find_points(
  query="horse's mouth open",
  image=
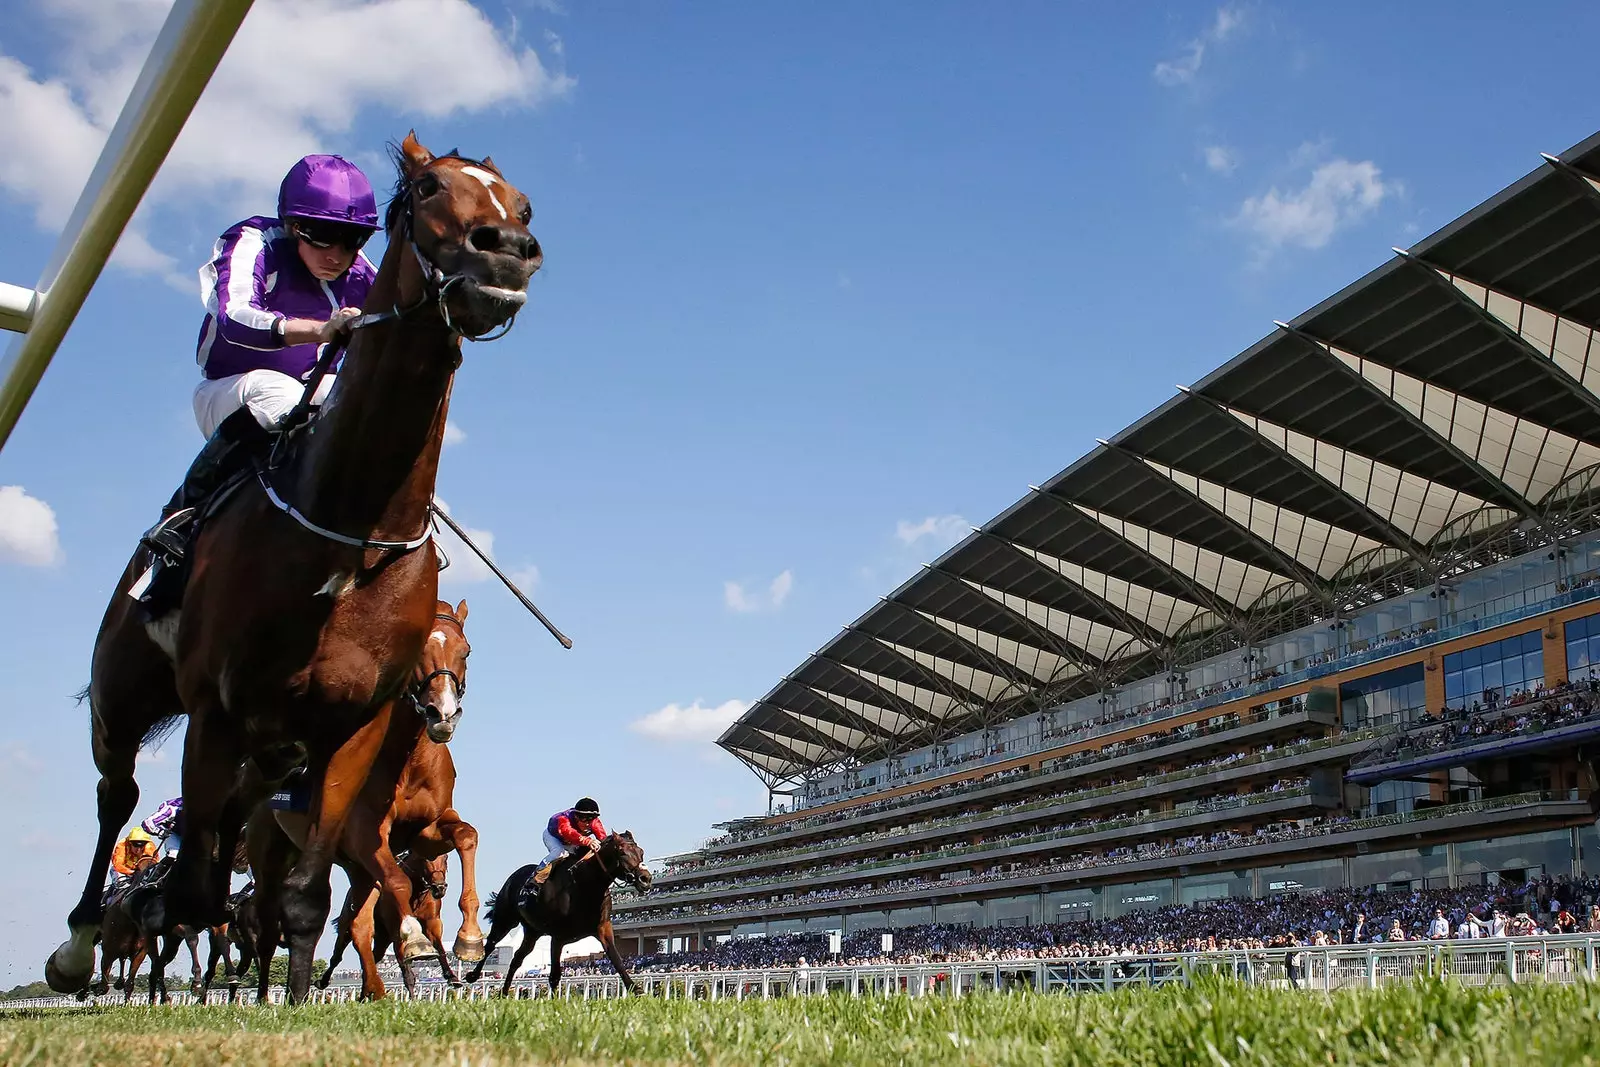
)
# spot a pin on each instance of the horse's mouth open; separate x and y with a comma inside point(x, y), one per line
point(488, 307)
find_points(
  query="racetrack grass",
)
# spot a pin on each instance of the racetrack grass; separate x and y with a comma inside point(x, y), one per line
point(1216, 1024)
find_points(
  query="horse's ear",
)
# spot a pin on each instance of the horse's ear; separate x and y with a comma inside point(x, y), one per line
point(461, 612)
point(488, 164)
point(413, 157)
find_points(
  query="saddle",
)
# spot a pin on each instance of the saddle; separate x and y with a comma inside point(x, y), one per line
point(142, 885)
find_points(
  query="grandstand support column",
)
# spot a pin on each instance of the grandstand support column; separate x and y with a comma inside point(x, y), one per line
point(1433, 682)
point(1554, 638)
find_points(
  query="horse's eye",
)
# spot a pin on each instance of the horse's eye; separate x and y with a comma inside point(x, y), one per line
point(526, 214)
point(427, 186)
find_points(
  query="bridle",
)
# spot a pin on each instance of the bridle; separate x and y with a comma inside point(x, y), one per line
point(436, 286)
point(420, 874)
point(420, 686)
point(627, 875)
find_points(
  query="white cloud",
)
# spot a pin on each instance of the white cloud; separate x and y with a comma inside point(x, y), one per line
point(940, 530)
point(695, 722)
point(1182, 70)
point(745, 601)
point(465, 566)
point(294, 80)
point(1338, 193)
point(1220, 159)
point(28, 531)
point(453, 433)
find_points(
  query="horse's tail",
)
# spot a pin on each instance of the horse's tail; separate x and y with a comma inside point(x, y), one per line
point(502, 905)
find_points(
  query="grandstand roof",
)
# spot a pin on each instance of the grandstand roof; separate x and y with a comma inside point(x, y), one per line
point(1454, 390)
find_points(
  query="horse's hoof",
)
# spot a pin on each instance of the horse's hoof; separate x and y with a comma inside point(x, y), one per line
point(468, 949)
point(61, 976)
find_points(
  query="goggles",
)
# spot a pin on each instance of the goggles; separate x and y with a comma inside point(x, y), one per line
point(324, 235)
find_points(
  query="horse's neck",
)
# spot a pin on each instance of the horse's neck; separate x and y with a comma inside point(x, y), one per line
point(369, 464)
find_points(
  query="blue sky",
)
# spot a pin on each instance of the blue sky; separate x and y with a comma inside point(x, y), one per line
point(822, 285)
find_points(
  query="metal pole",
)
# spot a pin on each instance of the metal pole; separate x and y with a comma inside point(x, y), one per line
point(181, 62)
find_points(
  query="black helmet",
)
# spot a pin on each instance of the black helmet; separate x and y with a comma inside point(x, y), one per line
point(586, 806)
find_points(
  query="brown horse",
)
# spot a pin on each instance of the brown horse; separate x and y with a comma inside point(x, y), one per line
point(574, 903)
point(310, 596)
point(405, 806)
point(357, 924)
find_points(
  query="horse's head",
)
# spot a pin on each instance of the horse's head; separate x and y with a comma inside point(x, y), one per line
point(623, 858)
point(428, 877)
point(470, 226)
point(439, 684)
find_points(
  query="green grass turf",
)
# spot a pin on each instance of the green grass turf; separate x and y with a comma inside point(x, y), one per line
point(1214, 1024)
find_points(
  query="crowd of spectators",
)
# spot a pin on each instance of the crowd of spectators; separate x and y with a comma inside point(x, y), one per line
point(1149, 741)
point(1537, 907)
point(1086, 825)
point(1524, 712)
point(980, 810)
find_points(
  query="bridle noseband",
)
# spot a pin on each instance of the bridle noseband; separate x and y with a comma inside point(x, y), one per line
point(419, 688)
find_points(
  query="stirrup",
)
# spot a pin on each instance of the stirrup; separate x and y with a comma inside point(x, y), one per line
point(169, 538)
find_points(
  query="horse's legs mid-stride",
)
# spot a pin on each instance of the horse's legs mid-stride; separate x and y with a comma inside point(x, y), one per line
point(608, 941)
point(499, 927)
point(529, 937)
point(134, 963)
point(556, 945)
point(211, 758)
point(306, 890)
point(463, 838)
point(131, 690)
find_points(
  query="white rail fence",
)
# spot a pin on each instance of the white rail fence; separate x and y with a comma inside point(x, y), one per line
point(1565, 959)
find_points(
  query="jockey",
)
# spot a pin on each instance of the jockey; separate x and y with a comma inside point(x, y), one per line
point(274, 290)
point(578, 827)
point(126, 856)
point(162, 824)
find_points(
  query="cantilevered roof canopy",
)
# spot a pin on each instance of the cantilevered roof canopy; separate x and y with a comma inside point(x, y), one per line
point(1451, 393)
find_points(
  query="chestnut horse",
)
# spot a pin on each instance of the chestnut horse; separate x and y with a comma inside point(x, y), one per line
point(310, 596)
point(405, 807)
point(574, 903)
point(357, 925)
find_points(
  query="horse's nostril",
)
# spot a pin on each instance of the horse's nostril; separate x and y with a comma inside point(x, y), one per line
point(531, 249)
point(486, 239)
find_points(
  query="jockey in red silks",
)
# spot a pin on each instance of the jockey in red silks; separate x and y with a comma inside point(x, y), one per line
point(579, 827)
point(274, 290)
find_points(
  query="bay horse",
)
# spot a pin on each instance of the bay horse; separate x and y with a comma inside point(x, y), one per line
point(310, 595)
point(357, 925)
point(574, 903)
point(404, 806)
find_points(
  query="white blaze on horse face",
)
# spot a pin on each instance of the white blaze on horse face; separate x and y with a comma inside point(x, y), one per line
point(439, 636)
point(488, 181)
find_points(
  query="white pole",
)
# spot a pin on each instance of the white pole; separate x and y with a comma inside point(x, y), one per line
point(181, 62)
point(17, 306)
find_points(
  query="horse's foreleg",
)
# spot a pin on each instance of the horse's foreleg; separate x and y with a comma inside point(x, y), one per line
point(556, 946)
point(608, 941)
point(211, 758)
point(498, 929)
point(192, 940)
point(69, 967)
point(463, 837)
point(306, 890)
point(134, 963)
point(370, 945)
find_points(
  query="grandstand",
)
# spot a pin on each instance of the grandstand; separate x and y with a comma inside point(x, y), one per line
point(1327, 618)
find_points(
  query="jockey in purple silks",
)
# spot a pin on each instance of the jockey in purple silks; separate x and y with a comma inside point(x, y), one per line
point(274, 289)
point(162, 824)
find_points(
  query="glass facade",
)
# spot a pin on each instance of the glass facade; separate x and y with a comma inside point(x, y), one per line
point(1493, 671)
point(1393, 696)
point(1139, 896)
point(1514, 859)
point(1583, 648)
point(1414, 867)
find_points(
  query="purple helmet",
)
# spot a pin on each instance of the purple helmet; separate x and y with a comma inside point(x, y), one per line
point(330, 188)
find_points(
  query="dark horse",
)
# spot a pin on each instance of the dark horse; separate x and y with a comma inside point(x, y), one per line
point(574, 903)
point(310, 595)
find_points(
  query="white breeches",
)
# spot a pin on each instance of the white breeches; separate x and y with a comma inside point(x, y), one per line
point(555, 846)
point(269, 394)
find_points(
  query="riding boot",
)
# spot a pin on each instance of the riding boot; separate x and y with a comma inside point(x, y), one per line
point(233, 442)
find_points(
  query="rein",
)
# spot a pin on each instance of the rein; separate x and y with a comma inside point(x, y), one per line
point(436, 286)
